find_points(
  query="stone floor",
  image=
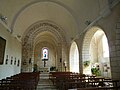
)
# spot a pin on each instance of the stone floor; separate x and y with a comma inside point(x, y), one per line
point(44, 82)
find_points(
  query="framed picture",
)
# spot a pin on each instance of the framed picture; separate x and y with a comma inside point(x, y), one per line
point(2, 49)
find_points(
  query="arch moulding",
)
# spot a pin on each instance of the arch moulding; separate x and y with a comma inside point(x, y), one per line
point(34, 30)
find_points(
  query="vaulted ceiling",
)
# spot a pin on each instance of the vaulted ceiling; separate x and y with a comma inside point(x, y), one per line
point(69, 15)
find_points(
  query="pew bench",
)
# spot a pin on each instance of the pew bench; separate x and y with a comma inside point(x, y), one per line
point(22, 81)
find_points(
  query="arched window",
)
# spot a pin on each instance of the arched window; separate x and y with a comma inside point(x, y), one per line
point(105, 46)
point(74, 58)
point(44, 53)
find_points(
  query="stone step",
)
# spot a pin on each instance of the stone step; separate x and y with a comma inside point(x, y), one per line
point(44, 75)
point(46, 87)
point(44, 82)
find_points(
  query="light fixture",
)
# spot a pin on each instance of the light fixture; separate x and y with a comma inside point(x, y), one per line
point(88, 22)
point(19, 36)
point(3, 18)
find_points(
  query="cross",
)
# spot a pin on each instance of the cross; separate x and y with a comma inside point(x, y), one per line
point(45, 62)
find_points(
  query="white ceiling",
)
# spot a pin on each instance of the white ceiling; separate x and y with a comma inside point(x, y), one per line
point(70, 15)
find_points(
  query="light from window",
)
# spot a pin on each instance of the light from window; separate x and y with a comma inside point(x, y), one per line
point(44, 53)
point(105, 46)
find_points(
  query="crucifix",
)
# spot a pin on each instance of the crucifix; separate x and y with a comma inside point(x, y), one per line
point(45, 62)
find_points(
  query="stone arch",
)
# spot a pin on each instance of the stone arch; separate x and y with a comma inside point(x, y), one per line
point(42, 26)
point(74, 58)
point(34, 30)
point(92, 51)
point(86, 44)
point(72, 13)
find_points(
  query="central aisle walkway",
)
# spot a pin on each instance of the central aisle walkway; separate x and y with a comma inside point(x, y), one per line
point(44, 82)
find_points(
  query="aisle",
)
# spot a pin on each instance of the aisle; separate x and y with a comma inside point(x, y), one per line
point(44, 82)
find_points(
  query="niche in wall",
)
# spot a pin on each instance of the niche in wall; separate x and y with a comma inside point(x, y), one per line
point(2, 49)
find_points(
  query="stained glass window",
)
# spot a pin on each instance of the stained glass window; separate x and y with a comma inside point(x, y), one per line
point(44, 53)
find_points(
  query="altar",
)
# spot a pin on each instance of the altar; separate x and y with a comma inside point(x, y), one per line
point(44, 69)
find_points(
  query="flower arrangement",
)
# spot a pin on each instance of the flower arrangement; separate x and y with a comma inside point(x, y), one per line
point(95, 69)
point(35, 68)
point(86, 63)
point(52, 68)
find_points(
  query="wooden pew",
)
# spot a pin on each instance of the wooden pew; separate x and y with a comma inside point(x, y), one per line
point(97, 87)
point(53, 75)
point(22, 81)
point(61, 80)
point(66, 82)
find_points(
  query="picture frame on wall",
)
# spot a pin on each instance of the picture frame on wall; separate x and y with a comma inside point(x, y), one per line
point(2, 49)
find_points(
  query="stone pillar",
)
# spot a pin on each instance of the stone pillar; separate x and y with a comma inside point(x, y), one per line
point(115, 54)
point(59, 57)
point(64, 57)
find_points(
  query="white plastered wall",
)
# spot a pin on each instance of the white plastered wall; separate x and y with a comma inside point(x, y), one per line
point(12, 49)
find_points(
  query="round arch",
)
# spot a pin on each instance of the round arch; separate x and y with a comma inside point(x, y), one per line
point(74, 58)
point(95, 52)
point(69, 10)
point(44, 31)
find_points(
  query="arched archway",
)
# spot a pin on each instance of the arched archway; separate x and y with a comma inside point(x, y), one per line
point(74, 58)
point(45, 56)
point(43, 34)
point(96, 51)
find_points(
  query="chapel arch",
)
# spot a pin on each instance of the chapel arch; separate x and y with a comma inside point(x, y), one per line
point(74, 58)
point(95, 52)
point(42, 33)
point(45, 60)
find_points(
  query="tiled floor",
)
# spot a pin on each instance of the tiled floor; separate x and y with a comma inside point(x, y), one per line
point(45, 83)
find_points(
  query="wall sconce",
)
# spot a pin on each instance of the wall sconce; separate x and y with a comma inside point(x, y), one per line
point(88, 22)
point(3, 18)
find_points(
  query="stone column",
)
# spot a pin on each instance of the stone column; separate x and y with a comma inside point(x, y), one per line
point(59, 57)
point(115, 54)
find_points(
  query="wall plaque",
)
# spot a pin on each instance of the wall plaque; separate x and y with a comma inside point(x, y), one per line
point(2, 49)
